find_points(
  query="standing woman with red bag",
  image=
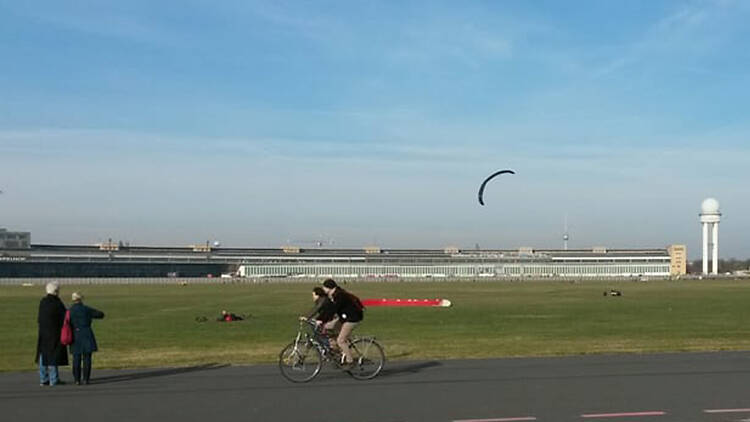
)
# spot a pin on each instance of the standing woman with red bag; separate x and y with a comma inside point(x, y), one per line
point(84, 342)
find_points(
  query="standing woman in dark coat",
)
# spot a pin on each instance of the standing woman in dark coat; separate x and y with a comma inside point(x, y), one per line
point(84, 342)
point(50, 353)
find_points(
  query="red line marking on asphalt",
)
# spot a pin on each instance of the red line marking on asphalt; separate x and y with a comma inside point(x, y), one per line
point(525, 418)
point(623, 415)
point(726, 411)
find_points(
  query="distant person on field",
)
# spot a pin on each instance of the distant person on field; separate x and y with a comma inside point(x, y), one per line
point(50, 353)
point(350, 313)
point(84, 342)
point(228, 317)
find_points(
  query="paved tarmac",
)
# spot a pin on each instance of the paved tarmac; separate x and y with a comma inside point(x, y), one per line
point(687, 387)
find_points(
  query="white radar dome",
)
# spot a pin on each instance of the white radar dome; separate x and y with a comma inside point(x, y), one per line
point(710, 206)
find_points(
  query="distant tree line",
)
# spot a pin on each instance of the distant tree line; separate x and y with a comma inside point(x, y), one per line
point(725, 265)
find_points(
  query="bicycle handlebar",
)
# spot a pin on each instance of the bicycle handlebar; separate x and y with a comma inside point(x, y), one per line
point(308, 322)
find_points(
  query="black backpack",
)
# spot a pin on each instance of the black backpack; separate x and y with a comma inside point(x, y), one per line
point(357, 303)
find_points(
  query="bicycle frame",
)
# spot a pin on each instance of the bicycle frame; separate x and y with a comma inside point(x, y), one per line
point(325, 349)
point(366, 351)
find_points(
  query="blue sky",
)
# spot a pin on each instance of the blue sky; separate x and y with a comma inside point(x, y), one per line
point(259, 123)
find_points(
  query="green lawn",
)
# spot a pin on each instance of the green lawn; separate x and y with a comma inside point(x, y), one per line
point(155, 325)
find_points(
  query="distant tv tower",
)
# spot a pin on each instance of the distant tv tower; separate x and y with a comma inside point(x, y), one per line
point(566, 235)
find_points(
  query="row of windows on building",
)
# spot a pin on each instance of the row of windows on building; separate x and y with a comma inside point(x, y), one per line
point(14, 240)
point(355, 271)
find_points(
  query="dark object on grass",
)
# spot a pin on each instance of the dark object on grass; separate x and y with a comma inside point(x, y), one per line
point(229, 317)
point(613, 292)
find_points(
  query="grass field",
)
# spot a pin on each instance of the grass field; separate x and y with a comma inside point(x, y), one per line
point(155, 325)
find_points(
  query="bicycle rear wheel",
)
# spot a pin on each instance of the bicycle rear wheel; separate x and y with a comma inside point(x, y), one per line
point(369, 359)
point(300, 362)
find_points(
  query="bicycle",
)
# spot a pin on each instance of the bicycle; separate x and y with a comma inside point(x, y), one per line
point(301, 360)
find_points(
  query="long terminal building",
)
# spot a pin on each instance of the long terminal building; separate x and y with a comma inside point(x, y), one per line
point(116, 260)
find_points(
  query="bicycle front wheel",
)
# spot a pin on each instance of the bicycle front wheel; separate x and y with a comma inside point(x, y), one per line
point(368, 359)
point(300, 362)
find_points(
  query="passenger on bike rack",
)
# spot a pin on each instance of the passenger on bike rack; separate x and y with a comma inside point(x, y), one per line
point(350, 313)
point(323, 311)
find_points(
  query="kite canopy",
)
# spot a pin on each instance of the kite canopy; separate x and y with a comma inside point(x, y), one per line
point(492, 176)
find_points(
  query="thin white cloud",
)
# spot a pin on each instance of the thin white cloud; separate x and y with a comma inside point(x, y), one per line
point(92, 142)
point(451, 41)
point(419, 38)
point(693, 30)
point(728, 143)
point(129, 24)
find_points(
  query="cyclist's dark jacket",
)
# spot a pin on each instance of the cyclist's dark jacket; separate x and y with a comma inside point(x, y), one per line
point(324, 310)
point(348, 307)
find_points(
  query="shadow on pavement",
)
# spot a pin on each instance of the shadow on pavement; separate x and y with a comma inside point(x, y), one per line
point(399, 355)
point(408, 368)
point(157, 373)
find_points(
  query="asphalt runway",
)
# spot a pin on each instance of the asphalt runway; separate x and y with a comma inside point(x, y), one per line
point(685, 387)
